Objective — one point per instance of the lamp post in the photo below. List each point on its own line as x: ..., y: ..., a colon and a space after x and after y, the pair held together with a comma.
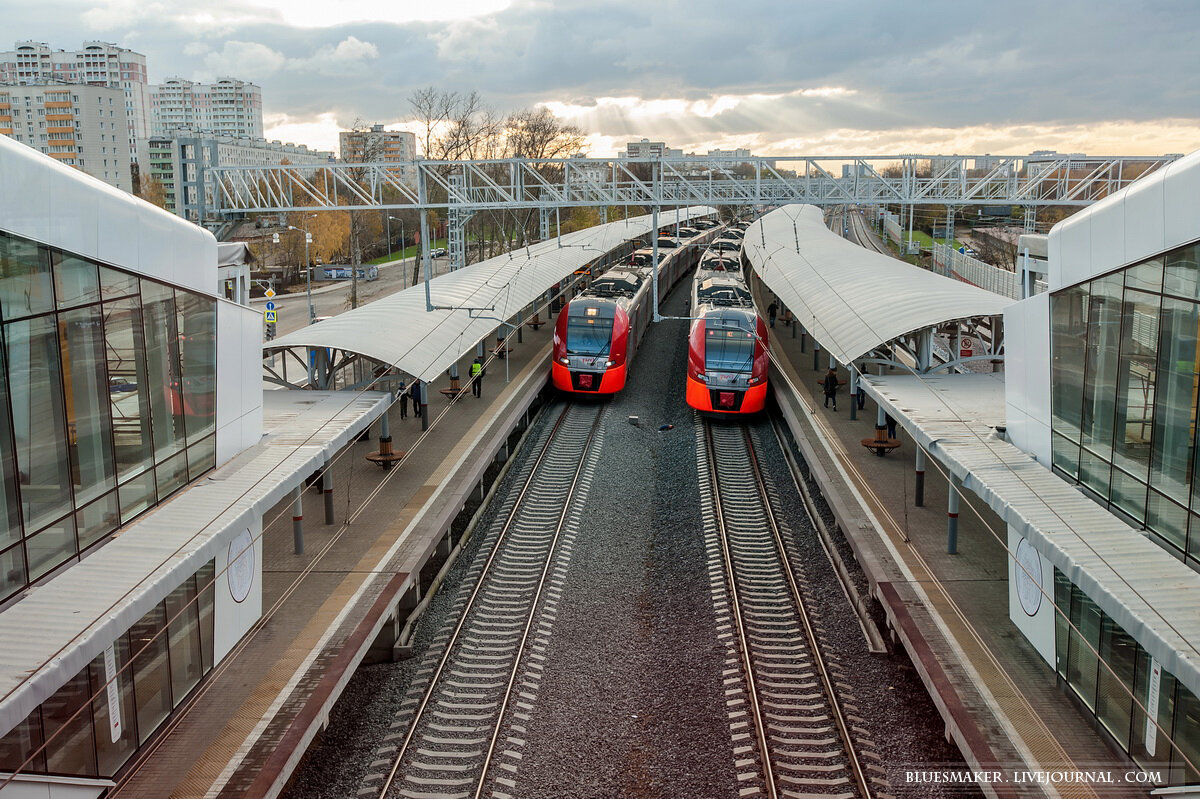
x: 312, y: 315
x: 403, y: 276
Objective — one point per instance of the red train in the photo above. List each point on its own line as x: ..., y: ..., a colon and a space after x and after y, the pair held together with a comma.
x: 598, y: 332
x: 727, y: 347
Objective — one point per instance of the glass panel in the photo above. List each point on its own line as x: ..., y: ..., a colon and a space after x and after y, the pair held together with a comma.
x: 187, y: 665
x: 76, y: 281
x: 87, y: 397
x: 25, y: 284
x: 172, y: 475
x: 51, y: 547
x: 1161, y: 756
x: 39, y: 424
x: 1135, y: 383
x: 1146, y: 276
x: 12, y: 571
x: 1187, y: 732
x: 1182, y: 272
x: 128, y: 388
x: 1068, y: 321
x: 110, y: 754
x: 198, y: 353
x: 1094, y: 472
x: 207, y: 593
x: 10, y: 518
x: 97, y: 520
x: 1173, y: 459
x: 68, y: 722
x: 1081, y: 655
x: 136, y: 495
x: 1193, y: 551
x: 1114, y: 701
x: 202, y: 457
x: 1065, y: 455
x: 1062, y: 607
x: 1128, y: 494
x: 1101, y: 357
x: 115, y: 284
x: 151, y: 675
x: 162, y: 363
x: 21, y: 742
x: 1167, y: 519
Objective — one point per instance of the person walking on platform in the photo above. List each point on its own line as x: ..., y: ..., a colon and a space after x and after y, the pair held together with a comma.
x: 830, y: 383
x: 891, y: 425
x: 772, y: 309
x: 404, y: 395
x: 477, y: 373
x: 861, y: 396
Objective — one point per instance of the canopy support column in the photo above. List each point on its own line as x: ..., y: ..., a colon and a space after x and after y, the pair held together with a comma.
x: 423, y: 393
x: 952, y: 515
x: 919, y: 498
x: 298, y: 519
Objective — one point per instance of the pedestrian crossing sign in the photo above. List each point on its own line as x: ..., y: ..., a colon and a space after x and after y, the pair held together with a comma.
x: 270, y: 316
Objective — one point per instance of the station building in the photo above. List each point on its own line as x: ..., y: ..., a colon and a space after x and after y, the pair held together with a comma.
x: 122, y: 381
x: 1102, y: 387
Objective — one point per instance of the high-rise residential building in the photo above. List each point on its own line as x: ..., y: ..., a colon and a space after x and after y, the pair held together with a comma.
x: 79, y: 125
x: 381, y: 146
x: 96, y: 64
x: 229, y: 107
x: 176, y: 160
x: 649, y: 149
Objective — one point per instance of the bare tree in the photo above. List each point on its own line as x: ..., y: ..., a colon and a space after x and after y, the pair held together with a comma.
x: 537, y: 133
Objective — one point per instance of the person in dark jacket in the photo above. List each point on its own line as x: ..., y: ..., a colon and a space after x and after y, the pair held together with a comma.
x: 477, y: 373
x: 891, y: 425
x: 830, y: 383
x: 772, y: 309
x: 405, y: 393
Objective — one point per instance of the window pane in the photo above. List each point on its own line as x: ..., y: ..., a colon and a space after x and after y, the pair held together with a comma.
x: 50, y: 548
x: 1068, y: 314
x: 87, y: 391
x: 72, y: 749
x: 1163, y: 715
x: 1182, y: 271
x: 21, y: 742
x: 198, y: 353
x: 1135, y: 383
x: 1146, y: 276
x: 1129, y: 494
x: 172, y: 475
x: 151, y: 676
x: 1114, y: 701
x: 39, y: 424
x: 1094, y: 472
x: 111, y: 755
x: 25, y: 285
x: 76, y: 281
x: 1081, y: 656
x: 1100, y: 387
x: 1167, y: 519
x: 12, y: 571
x: 10, y: 518
x: 97, y: 520
x: 1187, y: 732
x: 207, y: 591
x: 202, y: 457
x: 1065, y: 454
x: 1174, y: 445
x: 1062, y: 608
x: 115, y: 284
x: 136, y: 495
x: 162, y: 363
x: 128, y: 390
x: 187, y: 665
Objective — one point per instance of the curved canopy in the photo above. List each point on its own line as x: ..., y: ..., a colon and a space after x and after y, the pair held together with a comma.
x: 850, y: 299
x: 470, y: 302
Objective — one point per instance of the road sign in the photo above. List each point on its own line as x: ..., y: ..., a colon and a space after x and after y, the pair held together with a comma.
x: 271, y: 305
x: 271, y: 316
x: 269, y: 293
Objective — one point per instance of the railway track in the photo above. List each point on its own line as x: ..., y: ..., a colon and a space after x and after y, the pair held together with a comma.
x: 788, y: 728
x: 447, y: 738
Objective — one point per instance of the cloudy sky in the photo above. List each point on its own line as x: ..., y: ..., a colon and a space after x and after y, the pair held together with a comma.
x: 798, y: 77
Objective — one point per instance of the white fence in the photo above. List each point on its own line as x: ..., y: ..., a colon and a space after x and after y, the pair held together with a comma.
x: 891, y: 226
x: 952, y: 263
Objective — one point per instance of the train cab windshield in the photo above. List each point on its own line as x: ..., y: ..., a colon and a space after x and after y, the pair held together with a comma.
x: 728, y: 350
x: 590, y: 331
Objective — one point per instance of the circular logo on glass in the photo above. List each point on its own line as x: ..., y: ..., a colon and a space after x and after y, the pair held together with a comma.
x: 1029, y: 578
x: 241, y: 566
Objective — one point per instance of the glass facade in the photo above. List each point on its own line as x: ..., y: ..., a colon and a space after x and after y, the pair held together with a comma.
x: 1119, y: 682
x: 1125, y: 379
x: 155, y: 664
x: 107, y: 402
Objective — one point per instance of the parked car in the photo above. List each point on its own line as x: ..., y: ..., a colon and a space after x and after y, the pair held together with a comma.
x: 438, y: 252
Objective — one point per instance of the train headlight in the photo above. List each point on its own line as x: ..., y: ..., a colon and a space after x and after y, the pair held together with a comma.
x: 565, y: 361
x: 610, y: 363
x: 752, y: 380
x: 700, y: 376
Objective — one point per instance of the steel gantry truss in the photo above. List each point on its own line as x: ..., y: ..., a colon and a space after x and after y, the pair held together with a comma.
x: 471, y: 186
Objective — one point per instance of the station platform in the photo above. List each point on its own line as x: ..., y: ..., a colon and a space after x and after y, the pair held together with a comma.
x: 1000, y: 699
x: 324, y: 610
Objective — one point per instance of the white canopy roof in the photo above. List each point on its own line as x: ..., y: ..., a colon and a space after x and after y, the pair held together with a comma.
x: 397, y: 329
x: 850, y: 299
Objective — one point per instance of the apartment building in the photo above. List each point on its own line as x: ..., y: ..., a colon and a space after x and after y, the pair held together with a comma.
x: 80, y: 125
x: 229, y: 107
x: 381, y: 146
x: 95, y: 64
